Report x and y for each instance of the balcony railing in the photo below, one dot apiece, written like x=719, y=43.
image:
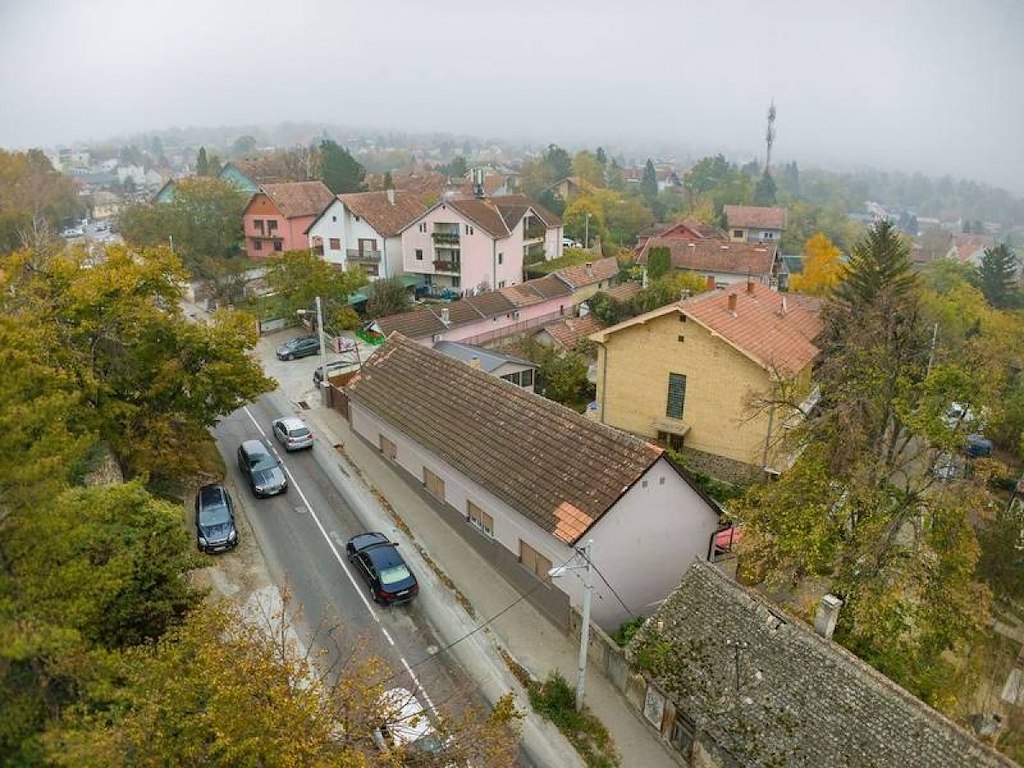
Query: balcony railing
x=445, y=238
x=447, y=266
x=356, y=255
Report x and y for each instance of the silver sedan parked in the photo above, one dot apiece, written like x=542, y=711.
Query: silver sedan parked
x=292, y=433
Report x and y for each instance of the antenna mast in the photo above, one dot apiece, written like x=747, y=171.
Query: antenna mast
x=769, y=137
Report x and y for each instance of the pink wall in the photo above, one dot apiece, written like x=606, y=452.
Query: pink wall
x=290, y=231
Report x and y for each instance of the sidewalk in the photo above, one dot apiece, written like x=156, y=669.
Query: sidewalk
x=524, y=632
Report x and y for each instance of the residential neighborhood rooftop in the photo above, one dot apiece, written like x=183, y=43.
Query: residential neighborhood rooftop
x=299, y=198
x=499, y=215
x=560, y=470
x=487, y=360
x=770, y=691
x=589, y=273
x=715, y=255
x=755, y=217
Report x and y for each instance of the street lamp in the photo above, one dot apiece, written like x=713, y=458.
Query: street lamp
x=588, y=588
x=323, y=349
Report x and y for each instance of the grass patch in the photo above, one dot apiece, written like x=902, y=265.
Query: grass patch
x=556, y=701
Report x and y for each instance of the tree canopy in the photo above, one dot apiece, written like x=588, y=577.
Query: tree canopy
x=298, y=277
x=341, y=172
x=33, y=197
x=998, y=276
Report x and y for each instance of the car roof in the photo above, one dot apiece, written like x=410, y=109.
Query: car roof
x=213, y=494
x=377, y=546
x=254, y=446
x=292, y=422
x=410, y=722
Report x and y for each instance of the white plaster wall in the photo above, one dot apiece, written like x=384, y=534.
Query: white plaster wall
x=325, y=228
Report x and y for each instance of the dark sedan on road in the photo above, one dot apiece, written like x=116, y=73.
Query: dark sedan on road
x=215, y=519
x=385, y=572
x=261, y=469
x=303, y=346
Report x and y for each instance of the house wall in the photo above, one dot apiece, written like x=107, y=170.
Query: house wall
x=516, y=321
x=648, y=540
x=632, y=386
x=553, y=243
x=295, y=237
x=331, y=225
x=262, y=208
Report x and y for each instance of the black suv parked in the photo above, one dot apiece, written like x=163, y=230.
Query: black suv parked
x=215, y=519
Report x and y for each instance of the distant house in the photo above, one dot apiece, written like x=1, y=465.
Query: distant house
x=476, y=244
x=755, y=224
x=363, y=229
x=229, y=172
x=567, y=334
x=588, y=278
x=277, y=217
x=571, y=186
x=723, y=262
x=751, y=686
x=516, y=370
x=685, y=375
x=969, y=248
x=105, y=204
x=525, y=481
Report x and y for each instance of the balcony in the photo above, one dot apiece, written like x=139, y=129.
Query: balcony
x=452, y=267
x=445, y=238
x=535, y=232
x=355, y=254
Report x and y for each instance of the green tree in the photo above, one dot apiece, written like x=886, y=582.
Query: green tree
x=765, y=192
x=659, y=262
x=602, y=158
x=243, y=145
x=202, y=163
x=559, y=161
x=389, y=182
x=588, y=168
x=341, y=172
x=565, y=379
x=649, y=182
x=615, y=179
x=998, y=277
x=458, y=167
x=298, y=277
x=668, y=288
x=388, y=296
x=607, y=310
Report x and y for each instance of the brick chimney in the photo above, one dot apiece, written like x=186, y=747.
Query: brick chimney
x=750, y=285
x=711, y=282
x=590, y=268
x=391, y=196
x=827, y=616
x=732, y=303
x=474, y=362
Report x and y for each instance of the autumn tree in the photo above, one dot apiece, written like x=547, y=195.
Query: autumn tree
x=999, y=277
x=388, y=296
x=821, y=267
x=589, y=168
x=575, y=219
x=341, y=172
x=299, y=277
x=34, y=199
x=659, y=262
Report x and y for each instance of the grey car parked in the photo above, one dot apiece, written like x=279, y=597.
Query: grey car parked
x=303, y=346
x=261, y=469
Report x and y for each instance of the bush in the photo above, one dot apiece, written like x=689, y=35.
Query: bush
x=624, y=634
x=556, y=701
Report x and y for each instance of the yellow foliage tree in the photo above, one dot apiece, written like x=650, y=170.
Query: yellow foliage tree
x=822, y=267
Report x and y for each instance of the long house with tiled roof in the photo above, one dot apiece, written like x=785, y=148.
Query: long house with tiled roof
x=277, y=216
x=722, y=261
x=687, y=375
x=755, y=223
x=364, y=229
x=473, y=244
x=526, y=480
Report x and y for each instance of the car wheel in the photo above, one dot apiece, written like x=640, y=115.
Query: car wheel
x=373, y=595
x=289, y=356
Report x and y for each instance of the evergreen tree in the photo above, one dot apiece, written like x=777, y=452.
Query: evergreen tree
x=998, y=276
x=659, y=262
x=764, y=192
x=458, y=167
x=389, y=183
x=341, y=172
x=602, y=158
x=559, y=161
x=649, y=182
x=202, y=163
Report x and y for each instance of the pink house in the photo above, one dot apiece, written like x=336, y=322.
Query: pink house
x=277, y=216
x=473, y=244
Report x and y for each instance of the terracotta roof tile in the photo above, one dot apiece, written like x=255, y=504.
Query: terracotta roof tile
x=716, y=255
x=491, y=303
x=755, y=217
x=624, y=291
x=388, y=218
x=498, y=216
x=552, y=465
x=568, y=333
x=580, y=275
x=299, y=198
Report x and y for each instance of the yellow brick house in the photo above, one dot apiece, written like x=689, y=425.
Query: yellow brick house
x=689, y=375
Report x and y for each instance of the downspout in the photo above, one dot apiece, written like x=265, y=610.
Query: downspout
x=384, y=260
x=603, y=351
x=768, y=439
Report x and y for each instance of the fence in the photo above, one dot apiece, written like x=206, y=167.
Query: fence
x=513, y=329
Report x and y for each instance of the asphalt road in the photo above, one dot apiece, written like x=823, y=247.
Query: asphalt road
x=302, y=534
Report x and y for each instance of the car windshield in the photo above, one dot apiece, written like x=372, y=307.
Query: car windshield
x=428, y=744
x=262, y=461
x=394, y=574
x=298, y=432
x=209, y=516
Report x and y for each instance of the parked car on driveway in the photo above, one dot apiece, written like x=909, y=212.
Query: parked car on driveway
x=215, y=519
x=261, y=469
x=332, y=368
x=292, y=433
x=303, y=346
x=377, y=560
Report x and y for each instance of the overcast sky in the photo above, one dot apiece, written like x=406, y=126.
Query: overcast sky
x=930, y=85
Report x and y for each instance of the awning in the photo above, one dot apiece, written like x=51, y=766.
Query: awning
x=672, y=426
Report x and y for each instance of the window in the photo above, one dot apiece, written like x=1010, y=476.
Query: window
x=419, y=254
x=501, y=283
x=467, y=229
x=335, y=243
x=257, y=245
x=277, y=245
x=271, y=226
x=676, y=395
x=258, y=224
x=682, y=733
x=371, y=270
x=534, y=561
x=388, y=448
x=334, y=219
x=423, y=227
x=358, y=219
x=527, y=380
x=737, y=233
x=435, y=485
x=680, y=338
x=479, y=518
x=456, y=282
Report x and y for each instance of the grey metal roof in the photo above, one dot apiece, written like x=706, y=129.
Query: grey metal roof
x=487, y=360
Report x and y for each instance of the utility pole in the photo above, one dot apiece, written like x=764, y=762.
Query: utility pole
x=324, y=383
x=581, y=662
x=770, y=137
x=586, y=232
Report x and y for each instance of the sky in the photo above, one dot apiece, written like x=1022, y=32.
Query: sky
x=915, y=85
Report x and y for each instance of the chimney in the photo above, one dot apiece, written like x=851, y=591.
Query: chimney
x=445, y=316
x=478, y=182
x=732, y=303
x=590, y=268
x=711, y=282
x=827, y=615
x=750, y=285
x=684, y=294
x=474, y=362
x=783, y=310
x=391, y=196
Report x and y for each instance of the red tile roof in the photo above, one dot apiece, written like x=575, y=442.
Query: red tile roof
x=624, y=291
x=387, y=217
x=555, y=467
x=755, y=217
x=295, y=199
x=716, y=255
x=498, y=216
x=571, y=331
x=582, y=275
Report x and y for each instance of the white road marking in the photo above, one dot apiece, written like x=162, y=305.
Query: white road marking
x=419, y=687
x=387, y=635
